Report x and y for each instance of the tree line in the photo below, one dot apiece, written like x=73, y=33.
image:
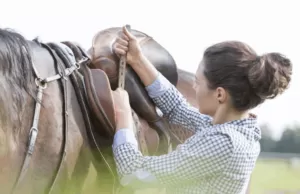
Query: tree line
x=288, y=143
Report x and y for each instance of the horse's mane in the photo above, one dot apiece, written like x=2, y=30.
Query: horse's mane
x=16, y=72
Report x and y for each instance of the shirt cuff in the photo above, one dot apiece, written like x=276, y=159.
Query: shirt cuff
x=123, y=136
x=139, y=176
x=158, y=87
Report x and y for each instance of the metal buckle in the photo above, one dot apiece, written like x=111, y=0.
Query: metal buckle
x=40, y=83
x=32, y=138
x=77, y=64
x=63, y=75
x=82, y=61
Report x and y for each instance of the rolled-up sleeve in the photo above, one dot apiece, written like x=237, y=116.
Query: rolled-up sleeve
x=175, y=107
x=192, y=160
x=124, y=135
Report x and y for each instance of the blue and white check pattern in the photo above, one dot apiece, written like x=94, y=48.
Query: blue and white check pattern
x=217, y=159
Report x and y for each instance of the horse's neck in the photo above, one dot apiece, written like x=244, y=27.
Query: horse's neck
x=47, y=149
x=13, y=137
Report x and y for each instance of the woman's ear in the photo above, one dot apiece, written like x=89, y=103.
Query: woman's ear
x=221, y=95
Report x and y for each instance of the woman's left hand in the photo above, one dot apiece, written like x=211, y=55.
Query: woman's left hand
x=122, y=109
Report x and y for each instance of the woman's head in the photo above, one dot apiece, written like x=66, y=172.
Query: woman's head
x=232, y=74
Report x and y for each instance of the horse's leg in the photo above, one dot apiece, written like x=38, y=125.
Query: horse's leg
x=80, y=172
x=104, y=180
x=106, y=177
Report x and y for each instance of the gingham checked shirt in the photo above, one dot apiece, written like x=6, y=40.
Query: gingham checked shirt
x=217, y=159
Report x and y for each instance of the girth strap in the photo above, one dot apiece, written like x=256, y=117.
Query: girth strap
x=63, y=75
x=122, y=68
x=121, y=84
x=76, y=81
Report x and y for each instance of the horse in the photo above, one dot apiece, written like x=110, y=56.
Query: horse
x=47, y=139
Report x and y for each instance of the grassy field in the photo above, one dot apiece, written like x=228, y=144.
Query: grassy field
x=269, y=177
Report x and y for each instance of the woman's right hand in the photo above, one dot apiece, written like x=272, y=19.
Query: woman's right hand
x=127, y=44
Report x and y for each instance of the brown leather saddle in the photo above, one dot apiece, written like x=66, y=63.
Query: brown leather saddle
x=153, y=131
x=102, y=57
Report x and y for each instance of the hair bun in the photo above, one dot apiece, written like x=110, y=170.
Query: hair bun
x=270, y=75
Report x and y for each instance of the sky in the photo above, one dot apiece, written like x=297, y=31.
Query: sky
x=184, y=28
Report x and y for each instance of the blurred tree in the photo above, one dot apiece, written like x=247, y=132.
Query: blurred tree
x=268, y=144
x=289, y=141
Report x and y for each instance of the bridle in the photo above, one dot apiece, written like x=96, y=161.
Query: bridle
x=41, y=84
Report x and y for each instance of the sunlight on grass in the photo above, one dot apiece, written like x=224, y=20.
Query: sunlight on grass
x=268, y=177
x=275, y=176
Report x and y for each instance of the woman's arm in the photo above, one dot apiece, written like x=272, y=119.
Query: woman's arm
x=164, y=94
x=195, y=159
x=168, y=99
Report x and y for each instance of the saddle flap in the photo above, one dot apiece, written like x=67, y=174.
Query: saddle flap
x=99, y=96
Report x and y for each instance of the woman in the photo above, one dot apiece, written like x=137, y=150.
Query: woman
x=230, y=80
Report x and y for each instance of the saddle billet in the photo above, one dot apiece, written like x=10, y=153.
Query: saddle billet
x=76, y=80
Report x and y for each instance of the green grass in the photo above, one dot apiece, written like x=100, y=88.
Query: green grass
x=269, y=177
x=273, y=176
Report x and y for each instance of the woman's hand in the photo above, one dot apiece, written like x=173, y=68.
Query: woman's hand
x=122, y=109
x=127, y=44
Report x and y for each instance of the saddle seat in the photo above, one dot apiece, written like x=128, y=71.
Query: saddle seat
x=99, y=96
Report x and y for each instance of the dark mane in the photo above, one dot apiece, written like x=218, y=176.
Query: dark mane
x=16, y=72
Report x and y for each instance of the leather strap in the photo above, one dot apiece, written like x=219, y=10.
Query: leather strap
x=140, y=134
x=122, y=68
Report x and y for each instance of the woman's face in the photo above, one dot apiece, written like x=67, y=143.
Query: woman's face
x=206, y=98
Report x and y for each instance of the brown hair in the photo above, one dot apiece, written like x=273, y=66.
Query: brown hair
x=250, y=79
